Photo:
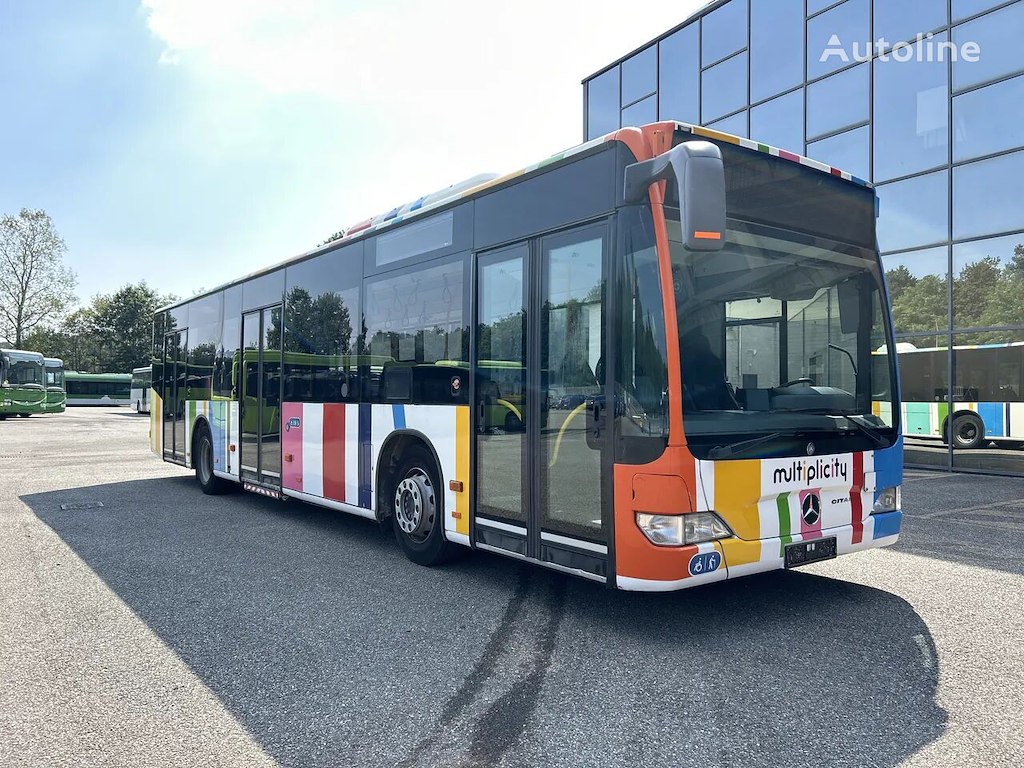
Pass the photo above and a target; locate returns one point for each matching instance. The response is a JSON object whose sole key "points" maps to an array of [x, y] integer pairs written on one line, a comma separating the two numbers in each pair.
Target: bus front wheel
{"points": [[209, 483], [417, 506], [968, 431]]}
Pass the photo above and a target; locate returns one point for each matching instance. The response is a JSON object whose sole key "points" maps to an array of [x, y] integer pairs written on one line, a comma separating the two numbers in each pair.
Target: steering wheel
{"points": [[801, 380]]}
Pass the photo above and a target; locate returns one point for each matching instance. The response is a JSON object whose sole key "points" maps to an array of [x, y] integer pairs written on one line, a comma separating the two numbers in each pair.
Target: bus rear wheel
{"points": [[209, 483], [417, 507], [968, 431], [24, 415]]}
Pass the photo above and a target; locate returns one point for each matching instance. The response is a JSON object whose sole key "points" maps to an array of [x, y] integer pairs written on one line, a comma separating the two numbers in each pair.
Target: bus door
{"points": [[542, 469], [260, 404], [175, 374]]}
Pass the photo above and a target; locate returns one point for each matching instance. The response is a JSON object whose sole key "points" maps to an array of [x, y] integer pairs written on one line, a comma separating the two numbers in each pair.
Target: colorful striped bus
{"points": [[985, 405], [98, 388], [22, 383], [645, 361]]}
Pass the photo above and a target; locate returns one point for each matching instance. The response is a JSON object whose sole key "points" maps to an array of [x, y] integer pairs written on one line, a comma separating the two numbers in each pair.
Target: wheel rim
{"points": [[205, 473], [967, 433], [414, 505]]}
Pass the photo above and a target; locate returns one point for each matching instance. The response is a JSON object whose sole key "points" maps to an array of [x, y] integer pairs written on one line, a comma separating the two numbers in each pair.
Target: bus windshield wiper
{"points": [[725, 451], [865, 428]]}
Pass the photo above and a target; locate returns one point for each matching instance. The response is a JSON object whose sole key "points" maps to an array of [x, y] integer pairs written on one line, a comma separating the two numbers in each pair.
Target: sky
{"points": [[189, 142]]}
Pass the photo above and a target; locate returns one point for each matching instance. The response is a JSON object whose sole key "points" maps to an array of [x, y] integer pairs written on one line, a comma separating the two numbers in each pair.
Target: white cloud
{"points": [[410, 96]]}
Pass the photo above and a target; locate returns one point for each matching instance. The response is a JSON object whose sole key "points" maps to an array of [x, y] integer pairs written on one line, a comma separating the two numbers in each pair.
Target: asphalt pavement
{"points": [[144, 623]]}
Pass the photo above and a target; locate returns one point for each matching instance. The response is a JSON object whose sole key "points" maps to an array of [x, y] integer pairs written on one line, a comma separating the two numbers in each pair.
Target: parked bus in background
{"points": [[98, 388], [55, 395], [681, 321], [142, 380], [22, 383], [987, 398]]}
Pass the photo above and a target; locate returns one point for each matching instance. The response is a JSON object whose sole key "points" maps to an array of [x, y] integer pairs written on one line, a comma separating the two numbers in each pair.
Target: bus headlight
{"points": [[679, 530], [888, 500]]}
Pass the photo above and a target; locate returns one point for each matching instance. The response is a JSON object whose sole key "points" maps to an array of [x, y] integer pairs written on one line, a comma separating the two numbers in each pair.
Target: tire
{"points": [[24, 415], [968, 431], [512, 423], [417, 509], [202, 454]]}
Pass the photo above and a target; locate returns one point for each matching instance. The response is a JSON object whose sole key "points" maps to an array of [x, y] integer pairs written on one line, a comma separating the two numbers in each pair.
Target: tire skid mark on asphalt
{"points": [[487, 715]]}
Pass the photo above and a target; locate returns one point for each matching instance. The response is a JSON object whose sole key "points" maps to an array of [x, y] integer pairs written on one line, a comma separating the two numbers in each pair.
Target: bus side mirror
{"points": [[696, 167]]}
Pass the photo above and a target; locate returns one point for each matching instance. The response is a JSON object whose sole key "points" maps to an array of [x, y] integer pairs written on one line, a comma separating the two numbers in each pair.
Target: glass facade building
{"points": [[926, 100]]}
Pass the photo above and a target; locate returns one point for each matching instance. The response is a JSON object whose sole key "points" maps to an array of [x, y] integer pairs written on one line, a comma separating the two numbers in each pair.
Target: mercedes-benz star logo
{"points": [[810, 449], [811, 508]]}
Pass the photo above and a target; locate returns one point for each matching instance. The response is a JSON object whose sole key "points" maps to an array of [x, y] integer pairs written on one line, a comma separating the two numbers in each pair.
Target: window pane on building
{"points": [[963, 9], [603, 103], [639, 75], [988, 282], [987, 412], [776, 46], [780, 122], [976, 129], [679, 76], [723, 31], [734, 124], [918, 290], [642, 112], [847, 151], [833, 36], [987, 196], [838, 102], [998, 36], [913, 211], [903, 21], [911, 113], [813, 6], [724, 89]]}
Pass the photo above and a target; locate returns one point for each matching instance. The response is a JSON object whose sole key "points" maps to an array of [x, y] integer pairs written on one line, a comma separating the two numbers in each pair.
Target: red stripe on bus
{"points": [[334, 451], [856, 503]]}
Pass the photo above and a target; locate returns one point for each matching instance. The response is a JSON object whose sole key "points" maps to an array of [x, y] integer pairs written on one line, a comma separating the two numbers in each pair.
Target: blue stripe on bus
{"points": [[887, 524], [365, 501], [992, 415], [399, 413]]}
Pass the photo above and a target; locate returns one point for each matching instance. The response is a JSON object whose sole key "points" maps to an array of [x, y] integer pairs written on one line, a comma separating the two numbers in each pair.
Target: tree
{"points": [[35, 286], [121, 326]]}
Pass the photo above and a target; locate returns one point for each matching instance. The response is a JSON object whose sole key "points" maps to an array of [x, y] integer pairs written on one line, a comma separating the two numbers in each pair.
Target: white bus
{"points": [[142, 381]]}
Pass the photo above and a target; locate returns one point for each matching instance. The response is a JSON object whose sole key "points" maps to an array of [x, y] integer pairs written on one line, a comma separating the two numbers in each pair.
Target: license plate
{"points": [[806, 552]]}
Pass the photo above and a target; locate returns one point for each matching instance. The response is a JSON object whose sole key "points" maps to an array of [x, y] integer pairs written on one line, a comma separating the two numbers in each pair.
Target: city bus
{"points": [[684, 322], [22, 383], [56, 397], [987, 397], [97, 388], [142, 380]]}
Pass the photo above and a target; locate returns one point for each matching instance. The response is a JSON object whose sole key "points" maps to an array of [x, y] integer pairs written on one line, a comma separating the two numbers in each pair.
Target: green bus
{"points": [[22, 388], [56, 397], [98, 388]]}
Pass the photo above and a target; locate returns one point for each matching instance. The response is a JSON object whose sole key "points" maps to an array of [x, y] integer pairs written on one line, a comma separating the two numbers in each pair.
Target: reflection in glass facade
{"points": [[941, 140]]}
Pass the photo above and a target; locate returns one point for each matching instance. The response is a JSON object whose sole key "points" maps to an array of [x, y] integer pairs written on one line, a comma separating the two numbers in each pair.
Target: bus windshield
{"points": [[777, 331], [24, 370]]}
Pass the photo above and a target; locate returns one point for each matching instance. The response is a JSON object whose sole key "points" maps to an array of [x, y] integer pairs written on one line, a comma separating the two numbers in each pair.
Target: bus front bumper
{"points": [[733, 557]]}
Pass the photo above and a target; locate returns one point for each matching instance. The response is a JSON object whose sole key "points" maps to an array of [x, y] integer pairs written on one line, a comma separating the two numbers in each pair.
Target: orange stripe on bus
{"points": [[707, 235]]}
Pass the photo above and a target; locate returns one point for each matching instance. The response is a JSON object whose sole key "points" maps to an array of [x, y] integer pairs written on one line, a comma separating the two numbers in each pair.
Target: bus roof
{"points": [[97, 376], [53, 362], [477, 184], [143, 369], [24, 354]]}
